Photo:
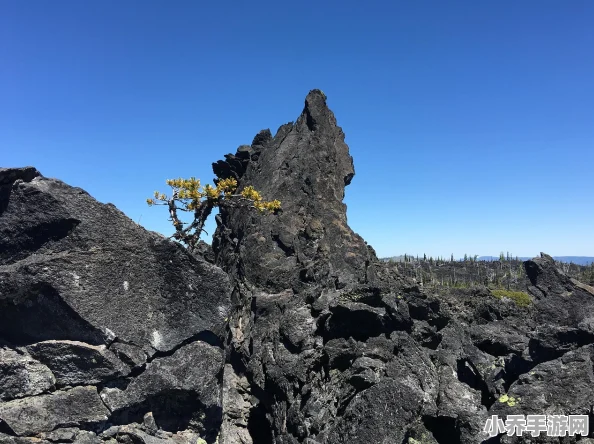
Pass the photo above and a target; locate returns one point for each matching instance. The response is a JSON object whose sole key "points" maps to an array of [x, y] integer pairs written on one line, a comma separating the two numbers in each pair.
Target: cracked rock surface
{"points": [[102, 323], [288, 330]]}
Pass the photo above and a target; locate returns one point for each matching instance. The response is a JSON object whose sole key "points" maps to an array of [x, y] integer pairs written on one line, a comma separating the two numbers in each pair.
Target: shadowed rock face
{"points": [[306, 166]]}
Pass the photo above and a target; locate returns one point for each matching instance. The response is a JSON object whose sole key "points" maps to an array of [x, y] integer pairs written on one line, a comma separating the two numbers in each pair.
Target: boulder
{"points": [[21, 375], [180, 390], [76, 363], [72, 268], [79, 407]]}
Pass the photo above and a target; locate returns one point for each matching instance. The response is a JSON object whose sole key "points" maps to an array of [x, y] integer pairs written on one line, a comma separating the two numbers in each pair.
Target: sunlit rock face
{"points": [[101, 321]]}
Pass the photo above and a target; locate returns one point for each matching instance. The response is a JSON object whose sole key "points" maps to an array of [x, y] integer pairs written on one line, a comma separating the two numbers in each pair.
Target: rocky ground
{"points": [[289, 330]]}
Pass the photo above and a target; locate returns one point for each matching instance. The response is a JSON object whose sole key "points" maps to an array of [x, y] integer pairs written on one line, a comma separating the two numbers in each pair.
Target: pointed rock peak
{"points": [[316, 98], [316, 112], [306, 166]]}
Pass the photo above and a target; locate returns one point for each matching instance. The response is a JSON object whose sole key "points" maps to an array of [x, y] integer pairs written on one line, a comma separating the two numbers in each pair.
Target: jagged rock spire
{"points": [[306, 166]]}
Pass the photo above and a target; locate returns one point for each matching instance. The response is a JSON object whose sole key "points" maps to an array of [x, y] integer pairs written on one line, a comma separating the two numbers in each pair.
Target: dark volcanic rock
{"points": [[77, 363], [306, 166], [131, 355], [88, 298], [8, 176], [324, 344], [21, 375], [80, 406], [545, 276], [72, 268], [329, 346], [379, 414], [179, 389]]}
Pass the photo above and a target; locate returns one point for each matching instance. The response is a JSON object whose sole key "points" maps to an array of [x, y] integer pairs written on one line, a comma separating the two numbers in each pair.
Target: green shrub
{"points": [[509, 400], [519, 297]]}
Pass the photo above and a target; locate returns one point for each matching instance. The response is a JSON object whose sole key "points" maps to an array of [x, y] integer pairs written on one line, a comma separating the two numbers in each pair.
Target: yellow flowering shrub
{"points": [[201, 199]]}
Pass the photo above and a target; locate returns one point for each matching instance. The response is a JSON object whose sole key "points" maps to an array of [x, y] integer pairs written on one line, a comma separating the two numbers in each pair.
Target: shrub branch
{"points": [[191, 196]]}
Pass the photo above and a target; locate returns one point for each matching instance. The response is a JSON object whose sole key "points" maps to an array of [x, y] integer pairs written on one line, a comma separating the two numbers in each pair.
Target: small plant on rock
{"points": [[520, 298], [509, 400], [189, 196]]}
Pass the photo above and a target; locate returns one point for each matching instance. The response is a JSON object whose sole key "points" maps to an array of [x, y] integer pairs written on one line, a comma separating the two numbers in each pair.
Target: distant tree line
{"points": [[505, 273]]}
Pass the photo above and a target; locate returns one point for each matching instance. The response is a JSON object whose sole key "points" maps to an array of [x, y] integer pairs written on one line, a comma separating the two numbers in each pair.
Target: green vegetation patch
{"points": [[509, 400], [519, 297]]}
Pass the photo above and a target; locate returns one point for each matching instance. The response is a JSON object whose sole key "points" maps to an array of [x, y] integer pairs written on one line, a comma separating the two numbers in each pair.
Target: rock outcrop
{"points": [[329, 346], [306, 166], [288, 330], [101, 321]]}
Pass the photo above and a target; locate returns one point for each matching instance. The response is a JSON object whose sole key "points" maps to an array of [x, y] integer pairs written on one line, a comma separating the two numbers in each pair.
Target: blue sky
{"points": [[471, 123]]}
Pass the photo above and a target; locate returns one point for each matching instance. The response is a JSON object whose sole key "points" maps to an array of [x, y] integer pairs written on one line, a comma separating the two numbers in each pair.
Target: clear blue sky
{"points": [[471, 123]]}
